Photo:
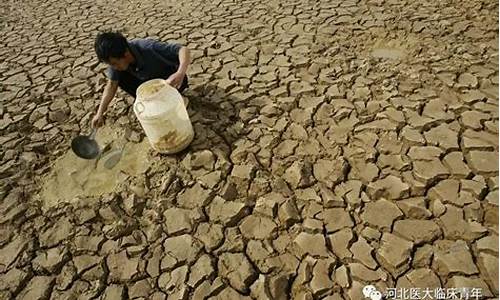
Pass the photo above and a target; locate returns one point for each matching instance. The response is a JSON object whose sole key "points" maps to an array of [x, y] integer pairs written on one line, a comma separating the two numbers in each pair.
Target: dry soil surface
{"points": [[338, 144]]}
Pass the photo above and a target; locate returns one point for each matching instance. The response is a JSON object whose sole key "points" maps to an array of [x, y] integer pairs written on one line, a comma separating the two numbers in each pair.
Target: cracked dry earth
{"points": [[338, 144]]}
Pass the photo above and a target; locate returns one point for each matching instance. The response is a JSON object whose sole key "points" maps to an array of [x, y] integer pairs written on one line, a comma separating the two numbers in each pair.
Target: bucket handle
{"points": [[139, 107]]}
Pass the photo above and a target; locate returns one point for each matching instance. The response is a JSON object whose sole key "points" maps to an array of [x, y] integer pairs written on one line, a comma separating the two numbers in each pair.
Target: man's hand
{"points": [[97, 121], [107, 96], [176, 79]]}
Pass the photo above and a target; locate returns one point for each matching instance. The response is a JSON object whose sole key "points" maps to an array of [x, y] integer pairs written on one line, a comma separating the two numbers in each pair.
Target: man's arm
{"points": [[184, 60], [107, 96]]}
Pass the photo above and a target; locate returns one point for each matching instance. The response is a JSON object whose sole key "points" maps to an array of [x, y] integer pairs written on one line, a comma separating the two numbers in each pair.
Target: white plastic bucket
{"points": [[163, 116]]}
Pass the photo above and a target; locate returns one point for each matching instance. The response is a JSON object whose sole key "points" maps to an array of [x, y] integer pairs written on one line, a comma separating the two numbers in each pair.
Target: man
{"points": [[131, 63]]}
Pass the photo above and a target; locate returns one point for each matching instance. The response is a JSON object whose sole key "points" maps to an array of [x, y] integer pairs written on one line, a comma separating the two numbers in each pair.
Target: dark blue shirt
{"points": [[153, 59]]}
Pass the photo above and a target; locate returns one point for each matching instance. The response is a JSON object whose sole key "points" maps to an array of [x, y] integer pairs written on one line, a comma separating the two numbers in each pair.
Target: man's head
{"points": [[112, 48]]}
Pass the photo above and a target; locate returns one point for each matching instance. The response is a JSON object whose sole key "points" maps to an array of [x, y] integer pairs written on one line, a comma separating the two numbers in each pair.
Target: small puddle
{"points": [[72, 176], [388, 53], [392, 49]]}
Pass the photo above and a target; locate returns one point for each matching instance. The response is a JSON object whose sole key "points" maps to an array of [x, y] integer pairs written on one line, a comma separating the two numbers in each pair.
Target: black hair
{"points": [[110, 44]]}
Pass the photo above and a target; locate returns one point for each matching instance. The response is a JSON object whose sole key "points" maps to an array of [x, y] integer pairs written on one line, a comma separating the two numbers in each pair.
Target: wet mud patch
{"points": [[72, 177], [392, 49]]}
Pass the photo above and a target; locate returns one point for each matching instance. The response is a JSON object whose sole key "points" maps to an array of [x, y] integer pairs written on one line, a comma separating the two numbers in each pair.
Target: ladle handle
{"points": [[92, 133]]}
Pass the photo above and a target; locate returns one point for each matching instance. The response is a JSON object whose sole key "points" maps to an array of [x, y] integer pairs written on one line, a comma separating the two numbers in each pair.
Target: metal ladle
{"points": [[85, 146]]}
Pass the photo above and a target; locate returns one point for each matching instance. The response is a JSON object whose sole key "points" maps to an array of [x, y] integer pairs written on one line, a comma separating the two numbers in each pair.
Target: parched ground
{"points": [[338, 144]]}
